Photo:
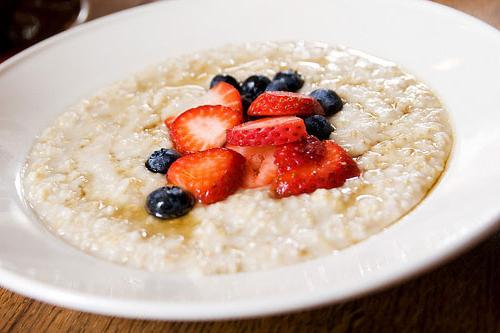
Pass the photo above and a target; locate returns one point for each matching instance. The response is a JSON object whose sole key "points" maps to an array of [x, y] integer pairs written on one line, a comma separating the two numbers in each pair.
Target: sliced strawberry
{"points": [[282, 103], [169, 121], [331, 171], [222, 94], [203, 127], [295, 154], [267, 132], [260, 169], [211, 175]]}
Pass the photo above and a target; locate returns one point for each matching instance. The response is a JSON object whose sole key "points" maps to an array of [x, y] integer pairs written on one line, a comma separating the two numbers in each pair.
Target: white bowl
{"points": [[455, 54]]}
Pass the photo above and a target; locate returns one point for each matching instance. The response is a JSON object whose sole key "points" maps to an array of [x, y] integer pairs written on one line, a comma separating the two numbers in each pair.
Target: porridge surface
{"points": [[85, 176]]}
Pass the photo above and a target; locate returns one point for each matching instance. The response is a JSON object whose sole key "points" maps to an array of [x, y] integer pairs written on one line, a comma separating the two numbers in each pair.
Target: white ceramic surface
{"points": [[455, 54]]}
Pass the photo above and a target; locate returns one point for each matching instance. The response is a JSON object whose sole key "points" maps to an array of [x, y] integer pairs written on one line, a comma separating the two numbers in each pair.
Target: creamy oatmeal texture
{"points": [[85, 176]]}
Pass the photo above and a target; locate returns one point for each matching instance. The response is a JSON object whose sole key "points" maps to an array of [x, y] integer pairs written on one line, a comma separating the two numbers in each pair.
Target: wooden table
{"points": [[463, 296]]}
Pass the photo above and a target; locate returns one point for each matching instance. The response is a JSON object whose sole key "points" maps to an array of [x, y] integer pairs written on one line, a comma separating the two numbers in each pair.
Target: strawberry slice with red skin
{"points": [[223, 94], [260, 169], [295, 154], [203, 128], [169, 121], [267, 132], [282, 103], [210, 175], [331, 171]]}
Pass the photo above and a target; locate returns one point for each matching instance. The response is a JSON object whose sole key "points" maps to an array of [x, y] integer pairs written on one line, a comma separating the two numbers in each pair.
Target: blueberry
{"points": [[161, 160], [292, 78], [329, 100], [254, 85], [318, 126], [245, 102], [169, 202], [225, 78], [278, 85]]}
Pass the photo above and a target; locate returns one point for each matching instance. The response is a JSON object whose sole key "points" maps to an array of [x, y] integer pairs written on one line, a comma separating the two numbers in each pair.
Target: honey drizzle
{"points": [[139, 219]]}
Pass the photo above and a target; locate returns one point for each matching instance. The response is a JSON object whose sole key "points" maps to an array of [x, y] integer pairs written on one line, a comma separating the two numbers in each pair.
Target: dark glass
{"points": [[25, 22]]}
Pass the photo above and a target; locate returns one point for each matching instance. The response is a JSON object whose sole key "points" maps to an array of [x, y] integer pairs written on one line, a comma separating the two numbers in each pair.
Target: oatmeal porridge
{"points": [[85, 176]]}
